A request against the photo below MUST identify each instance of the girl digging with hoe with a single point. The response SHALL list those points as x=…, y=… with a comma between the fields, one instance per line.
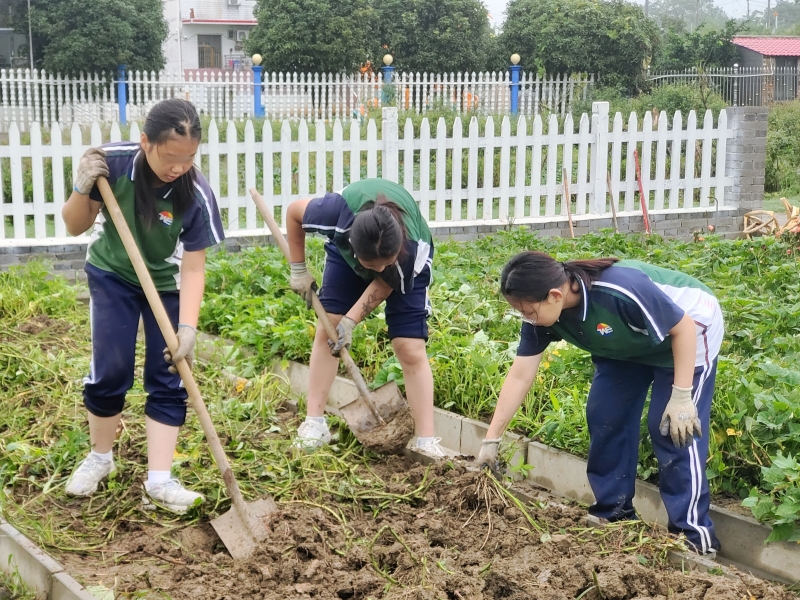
x=645, y=327
x=379, y=248
x=173, y=216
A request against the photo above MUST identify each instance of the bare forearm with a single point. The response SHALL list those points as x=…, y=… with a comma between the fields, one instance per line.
x=684, y=351
x=193, y=282
x=295, y=234
x=376, y=292
x=516, y=386
x=79, y=213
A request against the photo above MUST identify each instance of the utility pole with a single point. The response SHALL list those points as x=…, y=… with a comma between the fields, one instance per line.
x=30, y=37
x=748, y=9
x=647, y=7
x=766, y=13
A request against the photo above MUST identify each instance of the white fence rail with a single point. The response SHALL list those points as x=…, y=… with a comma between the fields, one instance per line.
x=27, y=96
x=467, y=174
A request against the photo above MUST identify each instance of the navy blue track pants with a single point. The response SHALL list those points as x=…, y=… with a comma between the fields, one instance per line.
x=115, y=308
x=614, y=412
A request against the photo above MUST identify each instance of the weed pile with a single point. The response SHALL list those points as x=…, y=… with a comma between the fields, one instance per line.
x=754, y=437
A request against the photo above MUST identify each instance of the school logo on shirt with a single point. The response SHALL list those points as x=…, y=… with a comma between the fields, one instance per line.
x=604, y=329
x=165, y=217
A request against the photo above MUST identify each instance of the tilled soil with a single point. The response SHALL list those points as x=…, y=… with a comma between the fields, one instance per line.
x=465, y=540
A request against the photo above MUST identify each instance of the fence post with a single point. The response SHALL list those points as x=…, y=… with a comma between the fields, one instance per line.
x=387, y=96
x=391, y=144
x=122, y=95
x=514, y=69
x=745, y=155
x=599, y=164
x=258, y=107
x=736, y=84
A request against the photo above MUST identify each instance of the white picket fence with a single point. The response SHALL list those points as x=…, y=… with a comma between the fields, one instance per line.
x=27, y=96
x=483, y=177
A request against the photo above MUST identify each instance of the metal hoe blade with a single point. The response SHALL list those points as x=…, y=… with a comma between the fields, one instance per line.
x=243, y=539
x=397, y=428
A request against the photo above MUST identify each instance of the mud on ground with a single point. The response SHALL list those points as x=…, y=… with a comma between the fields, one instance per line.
x=464, y=541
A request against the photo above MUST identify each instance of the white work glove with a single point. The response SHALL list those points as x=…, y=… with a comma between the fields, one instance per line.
x=345, y=331
x=91, y=166
x=302, y=282
x=680, y=420
x=487, y=457
x=187, y=336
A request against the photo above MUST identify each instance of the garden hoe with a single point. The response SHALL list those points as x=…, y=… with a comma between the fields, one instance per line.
x=245, y=525
x=380, y=420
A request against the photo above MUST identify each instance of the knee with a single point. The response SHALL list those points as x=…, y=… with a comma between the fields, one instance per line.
x=321, y=336
x=169, y=411
x=410, y=352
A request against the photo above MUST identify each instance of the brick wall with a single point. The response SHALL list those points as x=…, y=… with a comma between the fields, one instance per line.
x=68, y=260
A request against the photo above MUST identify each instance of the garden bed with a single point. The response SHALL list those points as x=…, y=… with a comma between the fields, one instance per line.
x=754, y=440
x=351, y=524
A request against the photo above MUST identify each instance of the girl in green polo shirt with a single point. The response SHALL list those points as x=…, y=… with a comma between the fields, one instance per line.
x=646, y=328
x=172, y=214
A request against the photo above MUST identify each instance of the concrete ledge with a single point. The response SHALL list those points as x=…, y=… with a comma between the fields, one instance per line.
x=743, y=538
x=36, y=568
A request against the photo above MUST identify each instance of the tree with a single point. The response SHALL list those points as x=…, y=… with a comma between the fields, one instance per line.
x=690, y=13
x=70, y=36
x=703, y=47
x=313, y=36
x=611, y=38
x=436, y=36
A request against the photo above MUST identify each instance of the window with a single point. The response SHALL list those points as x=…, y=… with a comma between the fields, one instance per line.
x=209, y=51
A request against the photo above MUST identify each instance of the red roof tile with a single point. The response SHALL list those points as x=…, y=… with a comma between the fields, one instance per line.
x=770, y=46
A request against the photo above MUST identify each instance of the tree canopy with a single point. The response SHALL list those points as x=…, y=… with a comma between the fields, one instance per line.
x=687, y=14
x=70, y=36
x=313, y=36
x=435, y=35
x=703, y=47
x=611, y=38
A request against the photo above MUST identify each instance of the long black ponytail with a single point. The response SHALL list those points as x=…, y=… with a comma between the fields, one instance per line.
x=173, y=116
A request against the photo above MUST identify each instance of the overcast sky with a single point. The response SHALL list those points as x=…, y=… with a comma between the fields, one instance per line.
x=734, y=8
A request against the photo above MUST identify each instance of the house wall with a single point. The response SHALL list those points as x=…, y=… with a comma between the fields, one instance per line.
x=749, y=58
x=189, y=18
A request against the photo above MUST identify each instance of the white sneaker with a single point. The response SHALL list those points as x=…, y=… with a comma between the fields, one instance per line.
x=88, y=475
x=170, y=495
x=432, y=449
x=312, y=435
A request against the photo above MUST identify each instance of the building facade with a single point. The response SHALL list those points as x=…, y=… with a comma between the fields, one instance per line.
x=207, y=35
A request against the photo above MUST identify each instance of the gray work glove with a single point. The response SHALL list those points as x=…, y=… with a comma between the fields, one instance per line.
x=487, y=457
x=302, y=282
x=680, y=420
x=187, y=336
x=91, y=166
x=345, y=331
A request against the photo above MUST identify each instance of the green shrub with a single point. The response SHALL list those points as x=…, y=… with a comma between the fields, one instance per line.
x=783, y=148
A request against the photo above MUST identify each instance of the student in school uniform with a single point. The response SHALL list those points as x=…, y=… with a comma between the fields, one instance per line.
x=379, y=249
x=173, y=216
x=646, y=328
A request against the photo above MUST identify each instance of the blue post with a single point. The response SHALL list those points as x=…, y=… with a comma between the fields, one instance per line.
x=514, y=70
x=258, y=107
x=122, y=95
x=387, y=73
x=387, y=93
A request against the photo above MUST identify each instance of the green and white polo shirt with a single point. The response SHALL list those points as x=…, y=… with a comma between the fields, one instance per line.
x=627, y=314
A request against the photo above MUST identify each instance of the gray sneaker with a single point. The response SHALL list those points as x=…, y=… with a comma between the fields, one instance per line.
x=170, y=495
x=90, y=472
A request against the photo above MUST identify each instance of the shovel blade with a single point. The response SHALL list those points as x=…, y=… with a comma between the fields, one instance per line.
x=398, y=429
x=240, y=538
